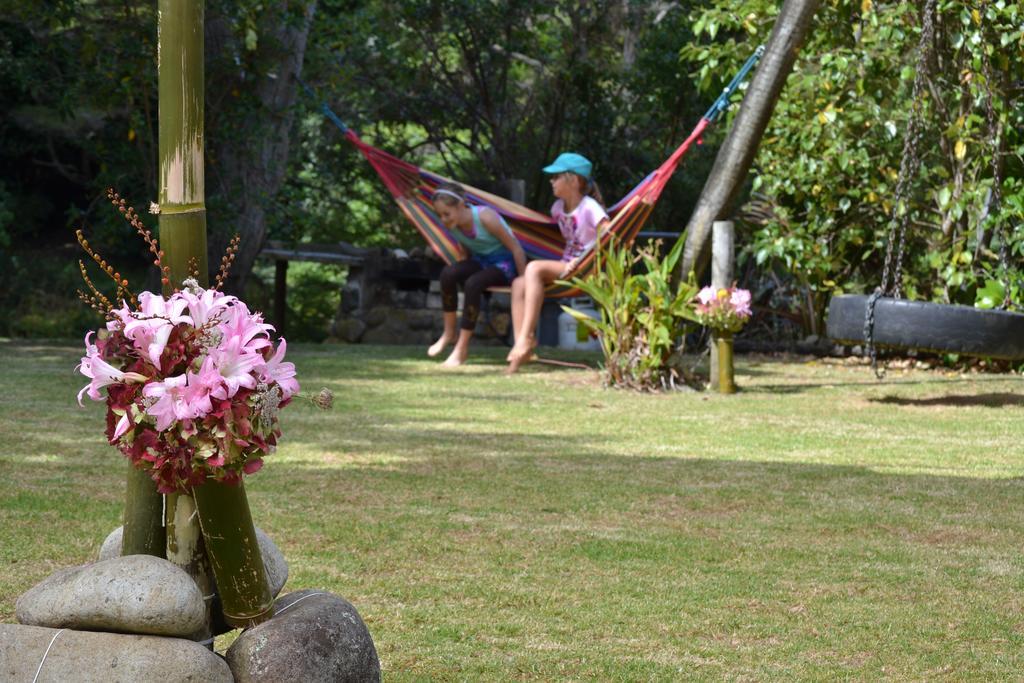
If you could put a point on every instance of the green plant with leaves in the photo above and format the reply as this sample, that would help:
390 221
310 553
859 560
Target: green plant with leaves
825 174
644 316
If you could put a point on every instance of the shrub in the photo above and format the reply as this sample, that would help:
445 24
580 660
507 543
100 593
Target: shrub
644 316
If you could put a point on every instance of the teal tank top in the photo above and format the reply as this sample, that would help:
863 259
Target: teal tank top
482 242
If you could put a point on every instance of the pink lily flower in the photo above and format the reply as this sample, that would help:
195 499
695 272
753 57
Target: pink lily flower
151 327
281 372
235 366
740 300
122 426
179 398
707 295
208 378
247 327
101 373
206 305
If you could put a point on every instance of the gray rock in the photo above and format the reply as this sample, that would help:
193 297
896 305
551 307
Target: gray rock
433 301
107 657
409 299
133 594
111 547
351 297
314 636
273 560
349 329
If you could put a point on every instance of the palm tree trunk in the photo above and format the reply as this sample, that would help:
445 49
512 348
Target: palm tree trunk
737 153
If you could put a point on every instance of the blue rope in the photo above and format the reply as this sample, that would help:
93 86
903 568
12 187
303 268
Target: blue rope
722 103
328 112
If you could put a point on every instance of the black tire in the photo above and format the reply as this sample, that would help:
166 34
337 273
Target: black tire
939 328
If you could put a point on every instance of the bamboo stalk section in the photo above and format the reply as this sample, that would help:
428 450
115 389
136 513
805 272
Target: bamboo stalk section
182 196
185 548
182 199
144 532
234 553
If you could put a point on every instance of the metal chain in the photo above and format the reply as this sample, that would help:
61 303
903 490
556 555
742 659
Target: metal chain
911 160
892 272
997 191
869 334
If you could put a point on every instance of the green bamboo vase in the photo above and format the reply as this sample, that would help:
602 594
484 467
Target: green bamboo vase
234 553
144 532
726 380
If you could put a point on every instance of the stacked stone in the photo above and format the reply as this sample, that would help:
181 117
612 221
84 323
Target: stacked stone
394 316
134 618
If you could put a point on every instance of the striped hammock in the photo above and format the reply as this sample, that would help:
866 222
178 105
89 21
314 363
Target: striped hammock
412 188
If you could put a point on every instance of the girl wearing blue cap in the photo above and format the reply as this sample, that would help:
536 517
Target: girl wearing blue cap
493 257
581 218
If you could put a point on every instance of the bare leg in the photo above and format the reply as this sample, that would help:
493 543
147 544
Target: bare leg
518 289
538 274
461 350
447 337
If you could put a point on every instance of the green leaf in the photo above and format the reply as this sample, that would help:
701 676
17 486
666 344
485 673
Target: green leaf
991 295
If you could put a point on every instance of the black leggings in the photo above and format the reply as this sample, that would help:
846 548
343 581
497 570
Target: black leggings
475 279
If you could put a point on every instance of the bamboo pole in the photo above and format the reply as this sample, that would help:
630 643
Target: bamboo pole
185 548
182 200
234 553
143 516
722 258
182 183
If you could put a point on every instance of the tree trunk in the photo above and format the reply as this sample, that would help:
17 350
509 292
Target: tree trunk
737 153
251 149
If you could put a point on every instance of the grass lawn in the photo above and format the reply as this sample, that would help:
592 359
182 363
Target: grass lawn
818 525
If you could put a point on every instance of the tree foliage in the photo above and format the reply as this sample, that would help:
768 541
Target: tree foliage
826 171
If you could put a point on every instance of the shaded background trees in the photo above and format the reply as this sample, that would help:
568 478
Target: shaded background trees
484 91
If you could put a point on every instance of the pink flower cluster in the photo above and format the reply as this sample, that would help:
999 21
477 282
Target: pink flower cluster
193 386
723 310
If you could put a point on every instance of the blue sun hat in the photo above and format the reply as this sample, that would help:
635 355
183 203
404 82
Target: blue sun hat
570 162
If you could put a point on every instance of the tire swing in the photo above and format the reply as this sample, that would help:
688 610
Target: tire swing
884 319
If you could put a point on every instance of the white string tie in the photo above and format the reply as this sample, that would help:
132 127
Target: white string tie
36 677
299 600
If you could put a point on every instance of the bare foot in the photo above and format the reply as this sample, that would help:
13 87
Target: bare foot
439 346
518 356
531 343
456 358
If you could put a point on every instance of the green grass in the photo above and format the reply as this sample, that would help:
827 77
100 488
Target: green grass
818 525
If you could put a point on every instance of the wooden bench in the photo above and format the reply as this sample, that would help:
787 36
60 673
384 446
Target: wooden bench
338 253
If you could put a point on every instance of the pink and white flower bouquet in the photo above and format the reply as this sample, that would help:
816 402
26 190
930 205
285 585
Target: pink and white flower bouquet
193 381
724 310
193 385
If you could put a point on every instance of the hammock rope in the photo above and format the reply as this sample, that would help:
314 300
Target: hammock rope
412 187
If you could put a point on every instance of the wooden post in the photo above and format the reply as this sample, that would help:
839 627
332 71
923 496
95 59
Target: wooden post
722 258
513 189
280 294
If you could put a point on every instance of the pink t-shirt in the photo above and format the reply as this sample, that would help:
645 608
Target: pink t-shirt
579 227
